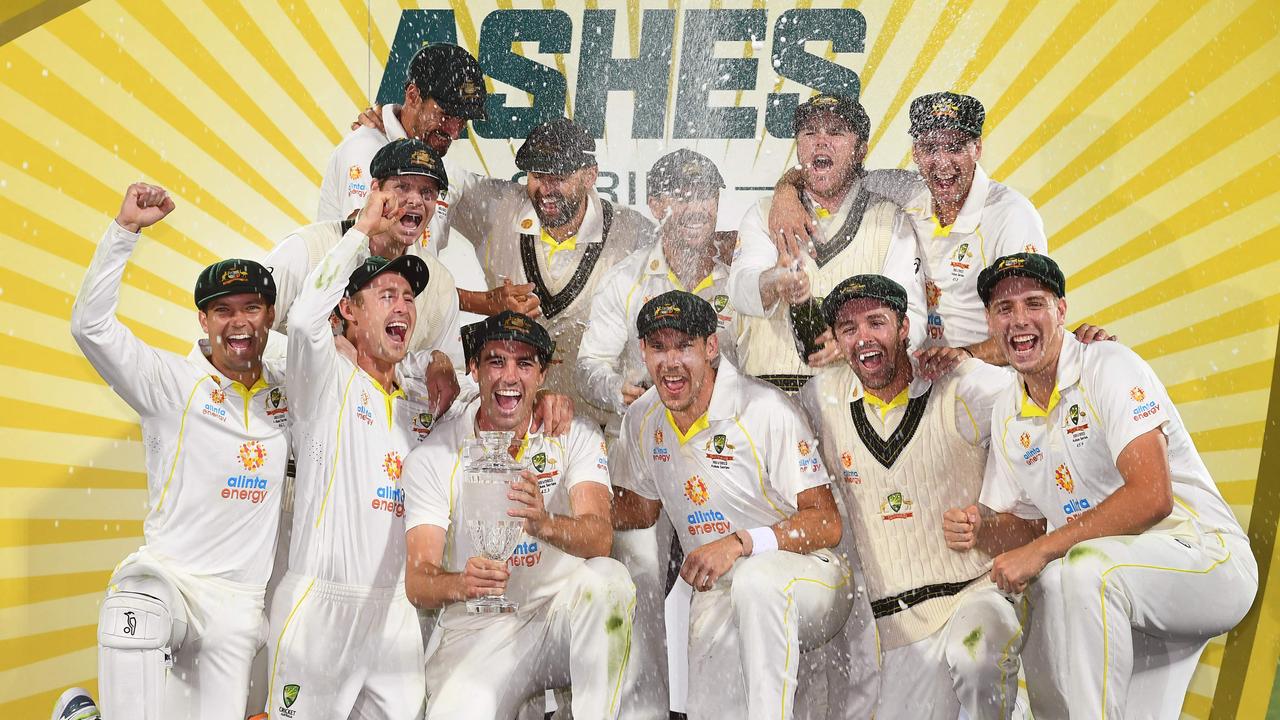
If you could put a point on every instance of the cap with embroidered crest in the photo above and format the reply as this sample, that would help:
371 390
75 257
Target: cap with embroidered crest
409 156
683 171
842 106
947 111
556 147
452 77
410 267
678 310
875 287
232 277
1040 268
507 325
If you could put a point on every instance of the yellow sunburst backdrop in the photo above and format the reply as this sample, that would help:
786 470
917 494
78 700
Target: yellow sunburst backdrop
1145 131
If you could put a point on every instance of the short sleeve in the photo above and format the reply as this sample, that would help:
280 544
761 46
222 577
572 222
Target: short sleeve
791 459
1126 394
1018 229
428 472
637 476
587 458
979 386
1000 489
754 255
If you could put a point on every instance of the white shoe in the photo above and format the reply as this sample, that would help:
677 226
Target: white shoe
75 704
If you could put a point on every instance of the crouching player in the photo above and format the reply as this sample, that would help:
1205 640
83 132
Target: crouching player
734 464
573 625
184 616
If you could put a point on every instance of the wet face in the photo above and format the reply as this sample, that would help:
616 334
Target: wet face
873 339
830 153
509 375
237 326
558 198
380 318
680 365
688 216
417 195
423 118
1025 318
947 160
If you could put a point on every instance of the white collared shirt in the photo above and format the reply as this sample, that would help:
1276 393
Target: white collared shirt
215 450
347 181
1059 462
609 355
994 221
741 466
434 474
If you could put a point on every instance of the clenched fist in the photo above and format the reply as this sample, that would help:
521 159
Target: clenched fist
144 205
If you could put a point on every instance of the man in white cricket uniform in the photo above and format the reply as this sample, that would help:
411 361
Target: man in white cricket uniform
684 192
573 625
179 628
860 232
555 233
734 465
1088 443
345 640
415 173
908 450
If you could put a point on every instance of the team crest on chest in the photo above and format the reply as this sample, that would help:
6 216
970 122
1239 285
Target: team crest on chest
960 260
719 451
422 423
896 506
1076 425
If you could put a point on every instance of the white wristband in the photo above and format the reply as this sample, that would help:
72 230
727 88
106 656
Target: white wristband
763 540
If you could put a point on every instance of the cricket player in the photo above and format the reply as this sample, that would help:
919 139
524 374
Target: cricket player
345 640
1087 444
683 190
184 615
416 175
860 232
735 466
573 625
907 451
556 233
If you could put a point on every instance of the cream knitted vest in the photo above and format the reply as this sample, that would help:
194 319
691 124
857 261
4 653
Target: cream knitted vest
895 513
431 302
770 343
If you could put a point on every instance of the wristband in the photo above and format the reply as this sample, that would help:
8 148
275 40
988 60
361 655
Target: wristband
763 540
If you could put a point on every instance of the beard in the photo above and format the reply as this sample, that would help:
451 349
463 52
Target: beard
565 209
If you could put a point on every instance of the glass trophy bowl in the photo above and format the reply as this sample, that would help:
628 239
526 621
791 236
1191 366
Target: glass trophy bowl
486 481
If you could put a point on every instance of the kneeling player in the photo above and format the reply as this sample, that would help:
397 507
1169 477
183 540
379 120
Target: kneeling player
1088 441
909 450
178 630
736 467
573 626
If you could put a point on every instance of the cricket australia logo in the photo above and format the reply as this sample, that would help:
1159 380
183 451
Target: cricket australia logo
719 451
540 462
896 507
288 698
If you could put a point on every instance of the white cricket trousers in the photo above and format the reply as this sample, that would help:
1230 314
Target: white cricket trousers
746 634
645 553
970 662
342 651
1174 586
226 624
580 638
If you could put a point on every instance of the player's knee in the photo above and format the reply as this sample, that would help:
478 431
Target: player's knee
1082 569
608 579
760 580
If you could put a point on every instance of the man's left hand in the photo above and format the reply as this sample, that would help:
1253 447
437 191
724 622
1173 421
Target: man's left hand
1087 333
1011 571
705 565
828 355
442 383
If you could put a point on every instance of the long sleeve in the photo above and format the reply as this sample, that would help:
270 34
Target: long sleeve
134 370
312 355
904 263
756 253
603 343
288 263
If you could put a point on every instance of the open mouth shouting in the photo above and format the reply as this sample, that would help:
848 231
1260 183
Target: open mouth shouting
411 222
674 383
508 399
871 359
398 331
1023 346
439 141
821 162
241 342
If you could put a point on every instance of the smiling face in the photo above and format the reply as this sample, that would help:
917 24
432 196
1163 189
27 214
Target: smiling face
1026 320
509 374
873 339
423 118
947 160
417 195
688 217
680 365
380 318
830 153
557 199
237 327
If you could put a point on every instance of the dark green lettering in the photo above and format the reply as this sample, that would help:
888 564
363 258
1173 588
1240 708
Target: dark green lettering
552 30
701 72
846 28
416 28
645 76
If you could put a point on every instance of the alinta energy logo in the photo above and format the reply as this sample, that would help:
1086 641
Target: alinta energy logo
249 487
695 488
392 465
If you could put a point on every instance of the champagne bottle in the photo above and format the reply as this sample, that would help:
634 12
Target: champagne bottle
807 324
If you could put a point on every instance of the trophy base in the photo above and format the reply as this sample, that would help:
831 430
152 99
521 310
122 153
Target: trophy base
488 605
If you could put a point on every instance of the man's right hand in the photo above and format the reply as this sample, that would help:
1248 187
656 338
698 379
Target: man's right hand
371 117
516 298
143 206
483 577
790 225
380 212
960 527
631 393
786 281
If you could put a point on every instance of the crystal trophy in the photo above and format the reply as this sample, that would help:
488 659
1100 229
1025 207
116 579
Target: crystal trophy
494 534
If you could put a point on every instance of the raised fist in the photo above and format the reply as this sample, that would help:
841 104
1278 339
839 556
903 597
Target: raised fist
144 205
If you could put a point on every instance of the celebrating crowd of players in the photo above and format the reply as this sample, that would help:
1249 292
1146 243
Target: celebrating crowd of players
896 478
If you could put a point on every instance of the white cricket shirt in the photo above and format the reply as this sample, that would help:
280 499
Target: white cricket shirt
433 484
740 466
215 450
1058 463
351 437
994 221
610 351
